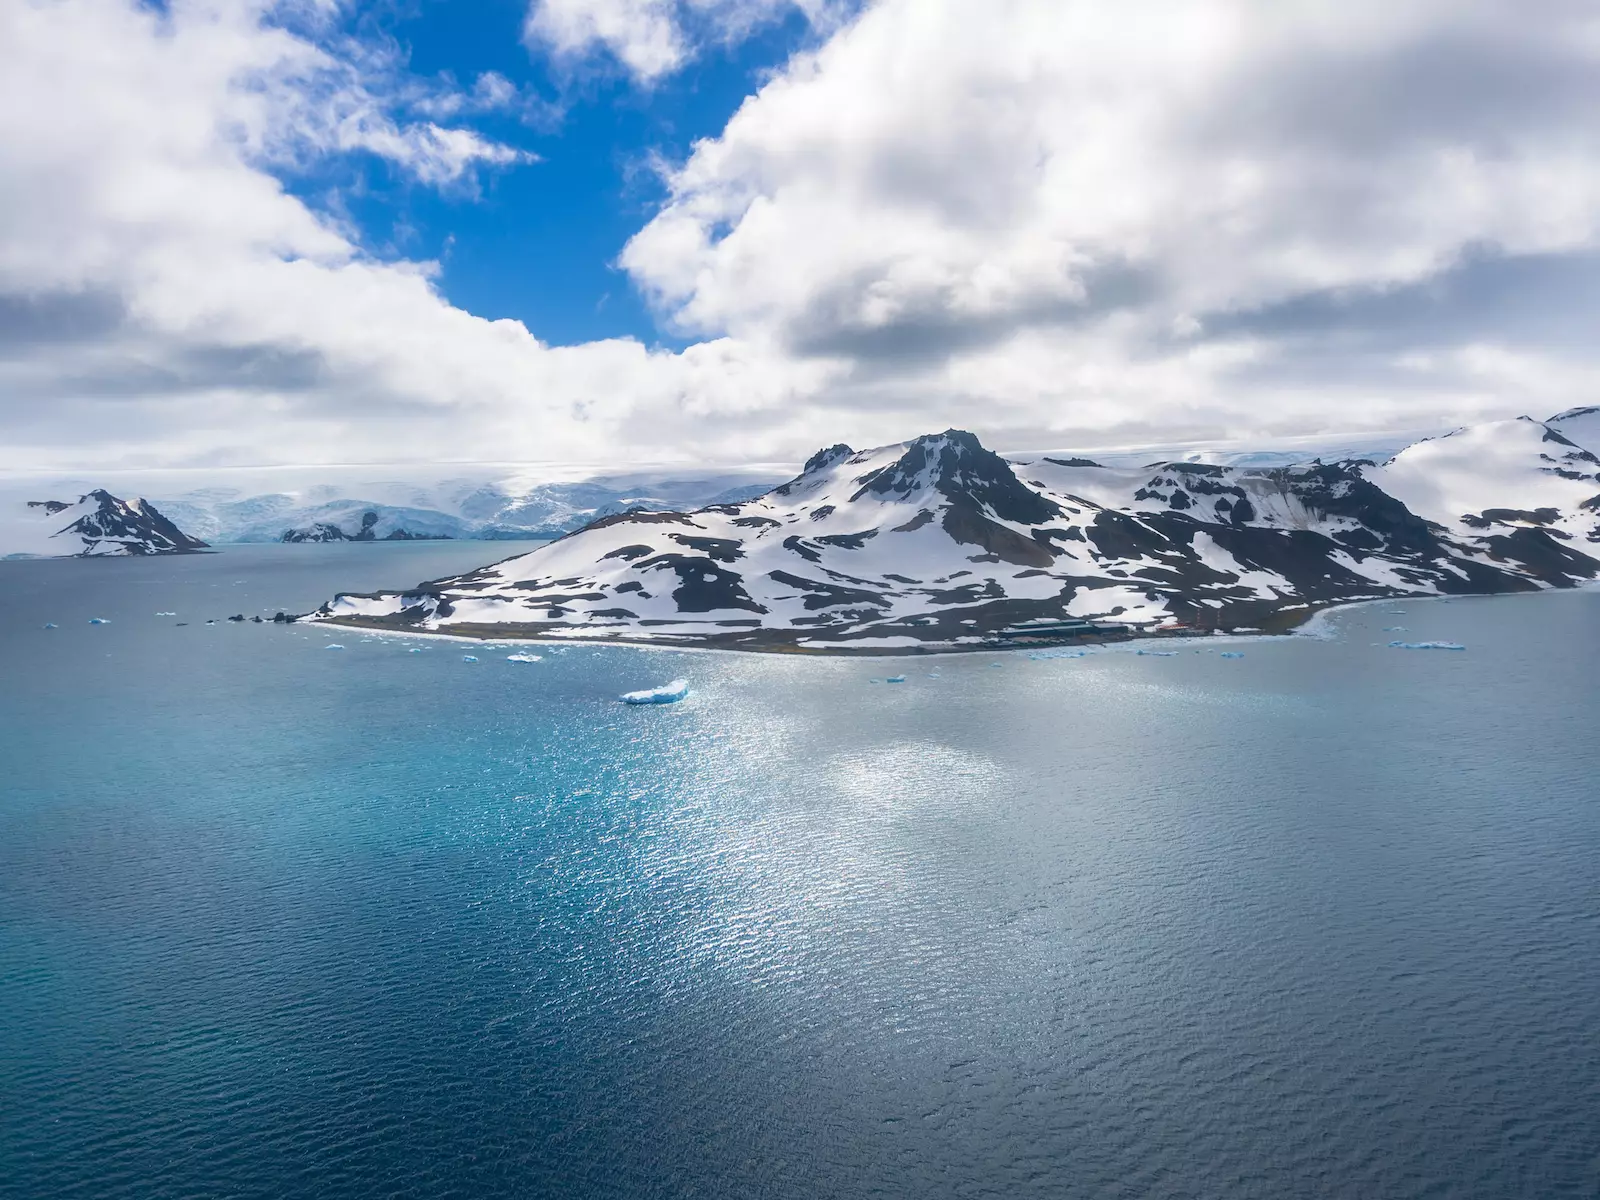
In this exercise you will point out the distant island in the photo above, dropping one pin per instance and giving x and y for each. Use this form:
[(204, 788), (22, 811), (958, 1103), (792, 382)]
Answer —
[(96, 525), (941, 544)]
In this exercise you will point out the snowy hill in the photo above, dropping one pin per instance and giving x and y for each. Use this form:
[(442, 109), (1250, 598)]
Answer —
[(940, 542), (95, 525), (1487, 482), (305, 507), (1580, 426)]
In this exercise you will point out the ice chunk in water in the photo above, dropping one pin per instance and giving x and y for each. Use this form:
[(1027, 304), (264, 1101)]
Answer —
[(469, 658), (895, 679), (416, 650), (524, 658), (98, 621), (50, 625), (333, 646), (1427, 645), (1233, 654), (667, 693), (1157, 653)]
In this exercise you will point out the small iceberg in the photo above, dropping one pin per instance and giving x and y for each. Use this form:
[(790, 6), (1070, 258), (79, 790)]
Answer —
[(524, 658), (98, 621), (50, 625), (469, 658), (895, 679), (1427, 646), (1233, 654), (333, 646), (415, 650), (166, 614), (1394, 628), (667, 693), (1157, 653)]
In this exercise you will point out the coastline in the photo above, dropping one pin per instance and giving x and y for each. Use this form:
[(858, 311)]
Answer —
[(1286, 622)]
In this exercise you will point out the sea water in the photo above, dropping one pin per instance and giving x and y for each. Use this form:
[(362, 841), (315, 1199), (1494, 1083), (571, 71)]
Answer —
[(274, 922)]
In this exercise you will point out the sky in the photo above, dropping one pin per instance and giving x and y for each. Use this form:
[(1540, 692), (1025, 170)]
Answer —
[(238, 232)]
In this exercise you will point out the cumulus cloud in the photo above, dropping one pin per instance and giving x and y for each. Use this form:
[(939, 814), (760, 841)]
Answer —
[(1106, 192), (653, 38), (1057, 222), (164, 299)]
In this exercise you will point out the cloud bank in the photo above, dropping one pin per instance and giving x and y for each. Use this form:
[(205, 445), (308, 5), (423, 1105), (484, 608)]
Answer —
[(1056, 222)]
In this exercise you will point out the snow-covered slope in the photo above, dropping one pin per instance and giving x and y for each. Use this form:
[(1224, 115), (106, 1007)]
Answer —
[(1487, 482), (940, 542), (95, 525), (492, 506), (1580, 426)]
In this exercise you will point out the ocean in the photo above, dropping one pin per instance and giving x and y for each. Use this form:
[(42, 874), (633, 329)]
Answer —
[(279, 920)]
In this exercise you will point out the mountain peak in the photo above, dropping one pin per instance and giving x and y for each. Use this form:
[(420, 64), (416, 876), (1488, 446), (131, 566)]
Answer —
[(958, 466), (823, 459)]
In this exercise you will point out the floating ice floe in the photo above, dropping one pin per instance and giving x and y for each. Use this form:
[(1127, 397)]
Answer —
[(1233, 654), (166, 614), (1394, 628), (333, 646), (50, 625), (667, 693), (415, 650), (98, 621), (1157, 653), (524, 658), (1042, 655), (469, 658), (1427, 646), (895, 679)]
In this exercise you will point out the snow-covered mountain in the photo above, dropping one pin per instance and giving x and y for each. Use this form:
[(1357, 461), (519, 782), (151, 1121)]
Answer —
[(939, 542), (95, 525), (486, 506)]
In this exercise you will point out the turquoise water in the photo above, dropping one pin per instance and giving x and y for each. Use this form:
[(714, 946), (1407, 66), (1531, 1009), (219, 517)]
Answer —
[(277, 920)]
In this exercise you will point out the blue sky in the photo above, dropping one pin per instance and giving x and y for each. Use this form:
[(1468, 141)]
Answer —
[(538, 242)]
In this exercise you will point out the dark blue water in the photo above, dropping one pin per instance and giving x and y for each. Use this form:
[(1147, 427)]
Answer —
[(282, 921)]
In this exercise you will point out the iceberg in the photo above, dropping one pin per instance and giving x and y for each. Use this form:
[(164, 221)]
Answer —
[(415, 650), (667, 693), (166, 614), (333, 646), (895, 679), (1427, 646), (98, 621), (524, 658), (1233, 654), (50, 625), (1157, 653), (469, 658)]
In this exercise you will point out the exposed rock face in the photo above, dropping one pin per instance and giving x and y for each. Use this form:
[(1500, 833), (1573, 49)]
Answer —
[(941, 542), (100, 524), (327, 532)]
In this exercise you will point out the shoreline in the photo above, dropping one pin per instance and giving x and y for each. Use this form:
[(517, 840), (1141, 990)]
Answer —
[(1284, 623)]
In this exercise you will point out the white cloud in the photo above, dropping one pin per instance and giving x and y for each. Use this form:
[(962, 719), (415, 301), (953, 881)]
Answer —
[(654, 38), (928, 186), (1062, 223), (164, 299)]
